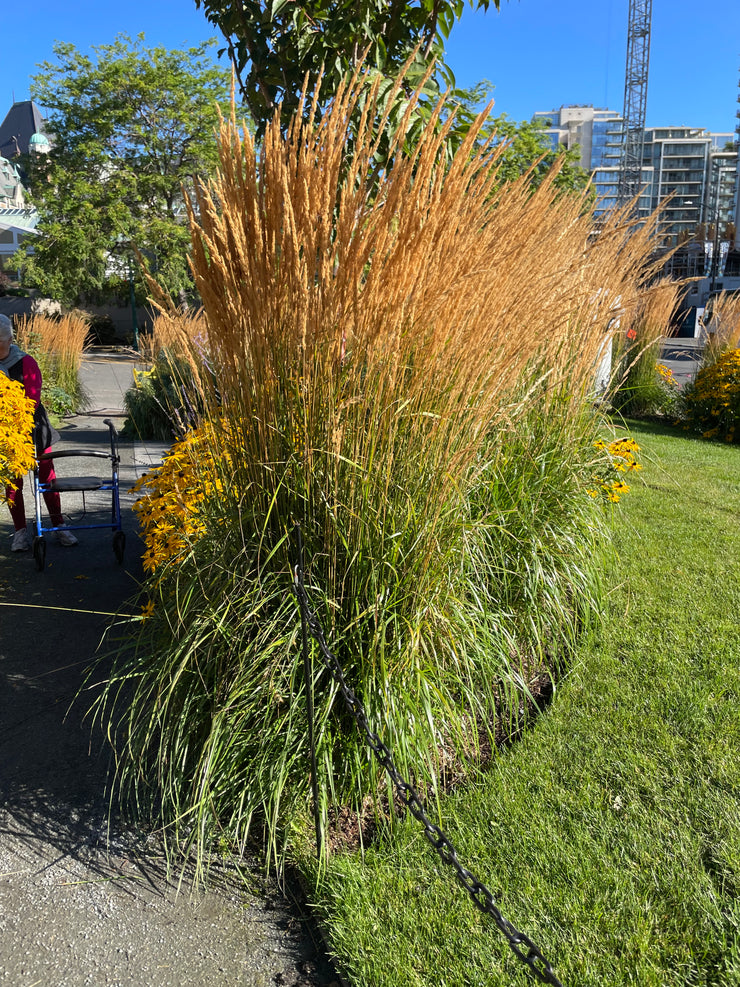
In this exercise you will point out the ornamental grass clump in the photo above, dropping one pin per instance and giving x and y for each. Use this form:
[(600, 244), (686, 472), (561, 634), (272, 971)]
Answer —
[(641, 387), (403, 364), (57, 344), (722, 327), (162, 402), (182, 334)]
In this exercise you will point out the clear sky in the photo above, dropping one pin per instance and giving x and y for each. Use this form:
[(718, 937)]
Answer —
[(538, 54)]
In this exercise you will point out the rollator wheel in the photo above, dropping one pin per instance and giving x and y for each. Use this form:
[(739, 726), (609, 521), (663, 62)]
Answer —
[(39, 552), (119, 544)]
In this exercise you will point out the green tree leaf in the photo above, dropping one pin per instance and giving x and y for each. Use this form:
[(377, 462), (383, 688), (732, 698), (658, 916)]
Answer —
[(276, 44), (132, 130)]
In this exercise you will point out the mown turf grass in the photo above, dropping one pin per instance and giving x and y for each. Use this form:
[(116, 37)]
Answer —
[(611, 833)]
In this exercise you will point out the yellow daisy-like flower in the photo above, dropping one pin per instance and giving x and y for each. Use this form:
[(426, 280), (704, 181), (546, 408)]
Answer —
[(173, 496), (619, 459), (16, 425)]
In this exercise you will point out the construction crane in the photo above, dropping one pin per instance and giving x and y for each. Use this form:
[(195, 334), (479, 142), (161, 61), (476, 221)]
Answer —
[(635, 99)]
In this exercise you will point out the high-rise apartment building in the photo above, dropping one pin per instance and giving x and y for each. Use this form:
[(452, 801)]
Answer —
[(596, 132), (689, 172), (598, 135), (693, 179)]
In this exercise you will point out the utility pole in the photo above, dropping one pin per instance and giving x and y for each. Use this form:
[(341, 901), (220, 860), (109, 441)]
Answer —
[(635, 99)]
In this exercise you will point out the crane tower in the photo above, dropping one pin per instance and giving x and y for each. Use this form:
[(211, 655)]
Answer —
[(635, 99)]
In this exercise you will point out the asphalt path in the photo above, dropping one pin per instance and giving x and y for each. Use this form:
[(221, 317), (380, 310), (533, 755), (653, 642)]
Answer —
[(682, 356), (85, 899)]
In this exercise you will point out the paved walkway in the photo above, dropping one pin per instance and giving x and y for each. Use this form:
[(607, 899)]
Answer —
[(82, 904), (682, 356)]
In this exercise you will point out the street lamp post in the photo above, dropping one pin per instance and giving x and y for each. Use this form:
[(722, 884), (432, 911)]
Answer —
[(715, 255), (124, 245), (132, 299)]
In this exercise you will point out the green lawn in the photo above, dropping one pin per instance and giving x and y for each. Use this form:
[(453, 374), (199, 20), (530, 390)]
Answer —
[(611, 833)]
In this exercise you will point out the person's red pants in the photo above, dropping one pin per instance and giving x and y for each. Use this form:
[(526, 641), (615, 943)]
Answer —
[(53, 503)]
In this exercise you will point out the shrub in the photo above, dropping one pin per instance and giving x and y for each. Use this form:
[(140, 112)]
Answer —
[(713, 399), (407, 369)]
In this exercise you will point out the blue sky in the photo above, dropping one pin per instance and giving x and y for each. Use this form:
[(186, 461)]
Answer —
[(538, 54)]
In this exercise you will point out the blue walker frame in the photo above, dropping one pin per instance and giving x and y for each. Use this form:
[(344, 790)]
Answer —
[(80, 484)]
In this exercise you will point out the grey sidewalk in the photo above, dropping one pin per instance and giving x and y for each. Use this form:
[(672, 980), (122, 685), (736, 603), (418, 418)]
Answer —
[(81, 904), (682, 356)]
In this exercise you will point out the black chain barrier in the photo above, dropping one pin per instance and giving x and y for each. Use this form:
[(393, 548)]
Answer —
[(482, 898)]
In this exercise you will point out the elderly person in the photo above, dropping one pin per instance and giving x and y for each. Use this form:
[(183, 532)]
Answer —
[(17, 365)]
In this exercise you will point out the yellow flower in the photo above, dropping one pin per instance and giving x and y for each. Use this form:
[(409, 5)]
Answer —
[(16, 424), (174, 495), (620, 459)]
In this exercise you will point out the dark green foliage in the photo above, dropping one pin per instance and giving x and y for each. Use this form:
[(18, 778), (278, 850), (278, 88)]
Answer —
[(130, 126), (60, 402), (102, 330), (274, 45), (160, 404)]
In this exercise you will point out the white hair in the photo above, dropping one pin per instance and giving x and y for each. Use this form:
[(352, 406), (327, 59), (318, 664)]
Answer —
[(6, 327)]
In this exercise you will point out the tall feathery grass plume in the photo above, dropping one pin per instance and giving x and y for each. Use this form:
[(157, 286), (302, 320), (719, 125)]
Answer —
[(722, 326), (181, 333), (403, 362), (63, 337), (162, 402), (57, 343), (636, 378)]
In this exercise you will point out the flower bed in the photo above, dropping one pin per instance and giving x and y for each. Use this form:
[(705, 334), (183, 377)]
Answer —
[(713, 400)]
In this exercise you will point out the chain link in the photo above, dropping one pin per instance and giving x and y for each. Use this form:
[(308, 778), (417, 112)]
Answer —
[(479, 894)]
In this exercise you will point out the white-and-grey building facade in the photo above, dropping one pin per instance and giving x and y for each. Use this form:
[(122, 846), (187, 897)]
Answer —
[(21, 133), (690, 173)]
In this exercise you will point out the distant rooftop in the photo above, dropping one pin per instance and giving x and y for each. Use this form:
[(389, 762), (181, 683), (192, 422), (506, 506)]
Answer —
[(21, 122), (22, 220)]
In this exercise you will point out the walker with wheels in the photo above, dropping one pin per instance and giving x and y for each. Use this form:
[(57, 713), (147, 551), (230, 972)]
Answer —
[(80, 484)]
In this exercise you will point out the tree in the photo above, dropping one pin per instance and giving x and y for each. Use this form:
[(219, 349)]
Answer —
[(130, 128), (529, 150), (274, 44), (528, 145)]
